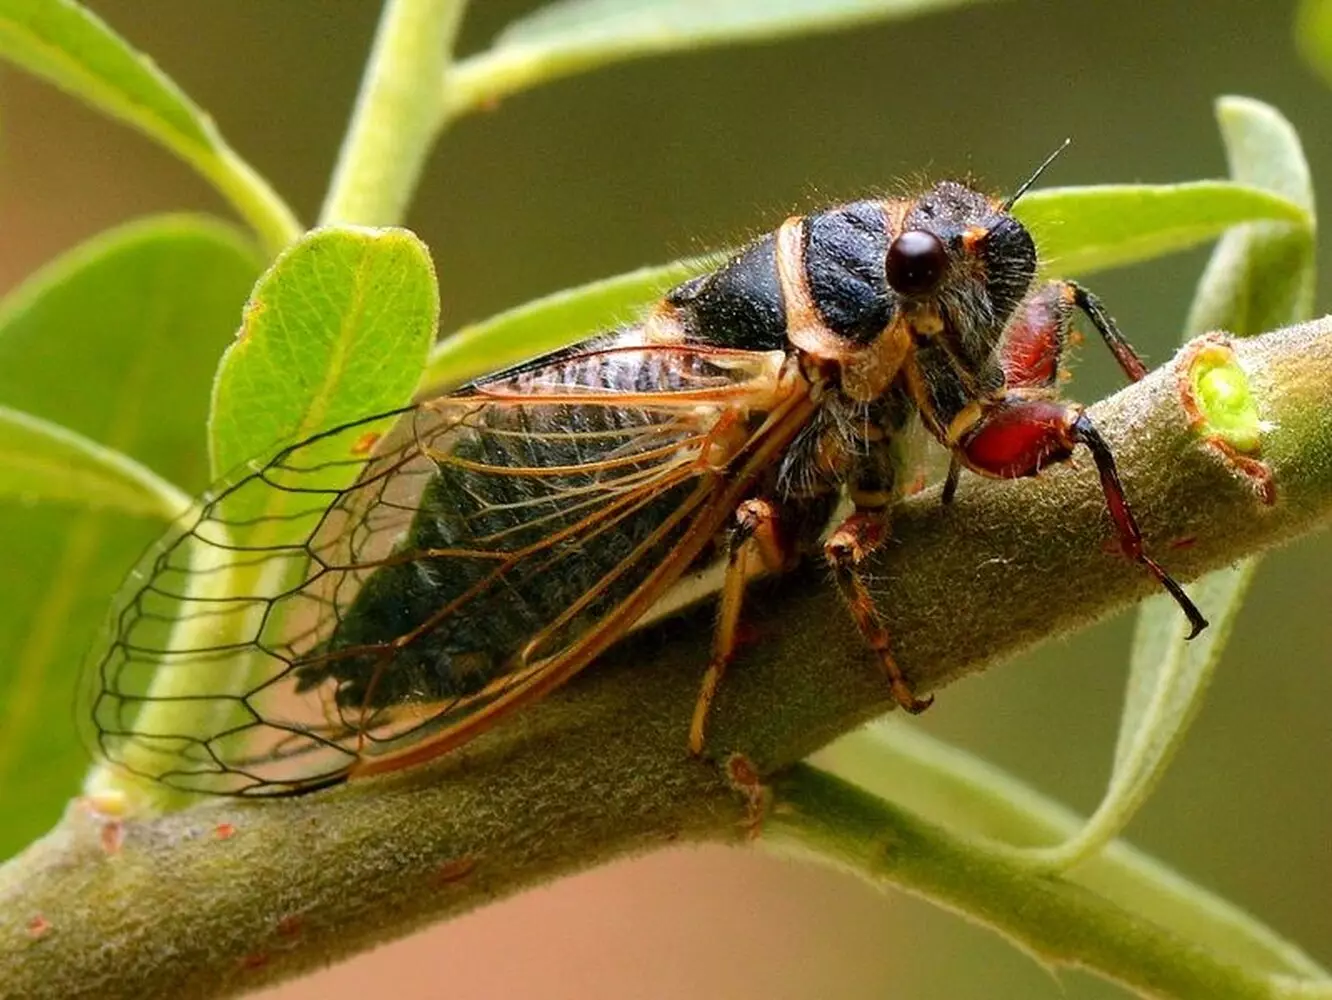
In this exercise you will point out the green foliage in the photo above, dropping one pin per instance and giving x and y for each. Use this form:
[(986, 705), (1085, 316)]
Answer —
[(337, 329), (111, 350), (1081, 230), (572, 36), (43, 462), (1313, 35)]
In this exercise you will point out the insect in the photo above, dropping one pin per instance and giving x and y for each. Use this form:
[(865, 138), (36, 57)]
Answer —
[(430, 571)]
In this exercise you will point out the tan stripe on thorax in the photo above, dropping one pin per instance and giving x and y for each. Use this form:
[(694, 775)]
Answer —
[(804, 326), (866, 372)]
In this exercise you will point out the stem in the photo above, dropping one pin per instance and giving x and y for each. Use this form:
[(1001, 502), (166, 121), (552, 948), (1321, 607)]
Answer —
[(945, 785), (489, 77), (201, 902), (252, 198), (397, 113), (1058, 921)]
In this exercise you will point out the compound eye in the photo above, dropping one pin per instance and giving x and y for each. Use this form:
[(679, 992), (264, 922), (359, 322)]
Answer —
[(916, 262)]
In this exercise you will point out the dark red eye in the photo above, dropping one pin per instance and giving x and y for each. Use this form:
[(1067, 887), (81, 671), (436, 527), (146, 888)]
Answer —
[(916, 262)]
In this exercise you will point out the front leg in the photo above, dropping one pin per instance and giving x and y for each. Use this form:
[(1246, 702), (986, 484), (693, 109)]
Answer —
[(846, 548), (1018, 437), (1034, 342)]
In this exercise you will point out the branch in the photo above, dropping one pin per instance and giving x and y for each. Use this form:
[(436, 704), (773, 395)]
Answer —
[(232, 895)]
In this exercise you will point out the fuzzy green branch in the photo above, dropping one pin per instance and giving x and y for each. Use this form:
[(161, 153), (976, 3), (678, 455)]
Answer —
[(231, 895), (396, 119), (1059, 922)]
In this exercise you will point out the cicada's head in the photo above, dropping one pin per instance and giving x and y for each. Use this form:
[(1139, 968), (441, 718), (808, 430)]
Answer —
[(872, 284), (959, 264)]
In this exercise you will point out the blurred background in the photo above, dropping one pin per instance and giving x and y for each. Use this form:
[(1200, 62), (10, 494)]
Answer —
[(653, 160)]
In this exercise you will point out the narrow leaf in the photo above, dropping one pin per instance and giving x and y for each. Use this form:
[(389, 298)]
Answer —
[(1079, 230), (44, 462), (554, 321), (1260, 277), (1086, 229), (571, 36), (116, 342), (903, 764), (64, 43)]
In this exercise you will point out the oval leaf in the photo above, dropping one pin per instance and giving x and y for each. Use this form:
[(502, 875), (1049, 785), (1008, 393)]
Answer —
[(67, 45), (338, 328), (572, 36), (1260, 277), (554, 321), (116, 342), (1086, 229), (43, 462)]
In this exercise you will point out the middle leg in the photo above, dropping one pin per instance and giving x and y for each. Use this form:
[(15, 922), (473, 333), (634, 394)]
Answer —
[(855, 539), (761, 537)]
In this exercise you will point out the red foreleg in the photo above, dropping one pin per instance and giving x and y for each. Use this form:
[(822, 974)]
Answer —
[(1033, 347), (1018, 437), (1034, 342)]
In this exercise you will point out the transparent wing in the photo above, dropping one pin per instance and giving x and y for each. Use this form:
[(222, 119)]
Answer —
[(402, 579)]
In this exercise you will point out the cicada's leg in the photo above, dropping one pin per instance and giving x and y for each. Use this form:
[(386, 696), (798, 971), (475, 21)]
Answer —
[(1105, 325), (846, 548), (950, 481), (1034, 343), (1017, 437), (758, 534)]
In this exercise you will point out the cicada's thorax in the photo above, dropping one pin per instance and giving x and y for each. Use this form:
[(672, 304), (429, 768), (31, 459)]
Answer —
[(877, 347)]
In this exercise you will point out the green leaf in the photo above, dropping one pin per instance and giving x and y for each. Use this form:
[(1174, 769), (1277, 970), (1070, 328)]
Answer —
[(572, 36), (1079, 230), (1260, 277), (116, 342), (1313, 35), (1086, 229), (337, 329), (66, 44), (554, 321), (41, 461)]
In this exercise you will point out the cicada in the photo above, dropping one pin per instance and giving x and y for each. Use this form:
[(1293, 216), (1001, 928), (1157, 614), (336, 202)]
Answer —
[(436, 569)]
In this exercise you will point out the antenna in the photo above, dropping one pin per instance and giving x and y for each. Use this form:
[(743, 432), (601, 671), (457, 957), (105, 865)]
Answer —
[(1026, 185)]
